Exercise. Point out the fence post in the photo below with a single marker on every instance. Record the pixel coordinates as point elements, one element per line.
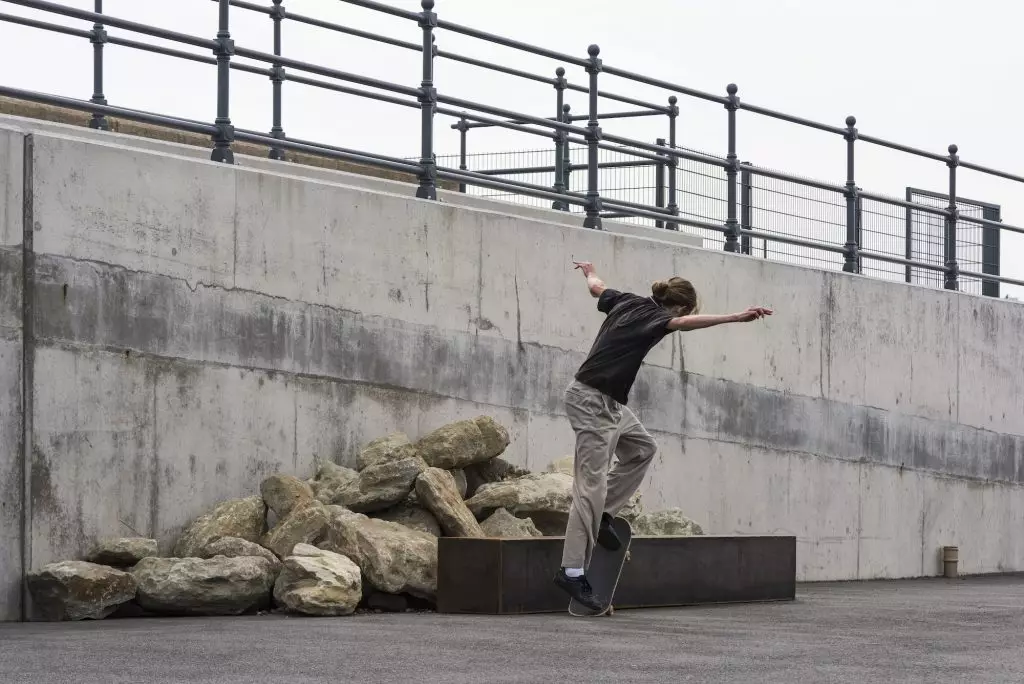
<point>851,257</point>
<point>746,219</point>
<point>428,101</point>
<point>277,13</point>
<point>566,156</point>
<point>952,280</point>
<point>673,162</point>
<point>593,206</point>
<point>659,184</point>
<point>98,40</point>
<point>463,128</point>
<point>225,134</point>
<point>560,136</point>
<point>732,226</point>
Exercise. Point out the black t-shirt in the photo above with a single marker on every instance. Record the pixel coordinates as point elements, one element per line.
<point>632,327</point>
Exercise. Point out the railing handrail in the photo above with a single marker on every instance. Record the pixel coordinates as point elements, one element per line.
<point>663,155</point>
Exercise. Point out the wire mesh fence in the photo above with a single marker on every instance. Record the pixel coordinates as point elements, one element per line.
<point>769,205</point>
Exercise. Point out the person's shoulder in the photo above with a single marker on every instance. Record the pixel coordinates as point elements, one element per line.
<point>610,298</point>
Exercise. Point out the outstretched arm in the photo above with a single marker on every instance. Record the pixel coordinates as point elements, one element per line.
<point>594,284</point>
<point>711,320</point>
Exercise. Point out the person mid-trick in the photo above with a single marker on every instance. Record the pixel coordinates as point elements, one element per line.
<point>596,405</point>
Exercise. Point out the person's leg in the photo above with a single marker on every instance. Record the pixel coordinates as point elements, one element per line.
<point>595,420</point>
<point>634,452</point>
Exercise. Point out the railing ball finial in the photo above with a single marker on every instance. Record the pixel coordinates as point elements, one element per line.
<point>560,72</point>
<point>427,5</point>
<point>732,89</point>
<point>672,99</point>
<point>953,149</point>
<point>593,50</point>
<point>851,121</point>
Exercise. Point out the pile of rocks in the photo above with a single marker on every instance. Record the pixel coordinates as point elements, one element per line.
<point>341,541</point>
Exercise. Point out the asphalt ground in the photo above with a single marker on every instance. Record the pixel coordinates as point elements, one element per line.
<point>966,630</point>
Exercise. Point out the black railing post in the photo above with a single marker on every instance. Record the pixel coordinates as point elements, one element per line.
<point>659,184</point>
<point>851,256</point>
<point>225,134</point>
<point>673,162</point>
<point>732,225</point>
<point>98,40</point>
<point>746,217</point>
<point>428,102</point>
<point>566,155</point>
<point>952,280</point>
<point>560,136</point>
<point>463,128</point>
<point>277,13</point>
<point>593,200</point>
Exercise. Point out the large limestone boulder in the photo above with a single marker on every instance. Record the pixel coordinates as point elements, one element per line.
<point>543,492</point>
<point>212,586</point>
<point>242,518</point>
<point>504,524</point>
<point>668,523</point>
<point>394,447</point>
<point>393,558</point>
<point>79,590</point>
<point>123,552</point>
<point>494,470</point>
<point>330,479</point>
<point>439,493</point>
<point>566,464</point>
<point>305,524</point>
<point>326,583</point>
<point>282,493</point>
<point>413,517</point>
<point>233,547</point>
<point>380,486</point>
<point>463,443</point>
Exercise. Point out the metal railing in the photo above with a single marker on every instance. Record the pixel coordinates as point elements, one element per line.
<point>737,229</point>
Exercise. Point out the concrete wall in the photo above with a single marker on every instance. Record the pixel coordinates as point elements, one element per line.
<point>198,326</point>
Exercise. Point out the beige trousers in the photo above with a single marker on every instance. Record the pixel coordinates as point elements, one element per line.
<point>603,428</point>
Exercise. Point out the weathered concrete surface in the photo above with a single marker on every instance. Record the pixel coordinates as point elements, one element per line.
<point>201,327</point>
<point>908,631</point>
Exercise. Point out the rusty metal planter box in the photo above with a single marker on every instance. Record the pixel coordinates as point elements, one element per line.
<point>511,576</point>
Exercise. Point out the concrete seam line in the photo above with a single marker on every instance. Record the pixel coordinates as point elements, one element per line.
<point>27,363</point>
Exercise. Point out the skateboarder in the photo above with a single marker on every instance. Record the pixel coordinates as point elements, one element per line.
<point>604,425</point>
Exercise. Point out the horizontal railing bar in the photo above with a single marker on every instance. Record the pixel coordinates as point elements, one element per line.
<point>779,175</point>
<point>498,123</point>
<point>792,119</point>
<point>507,42</point>
<point>902,148</point>
<point>518,184</point>
<point>323,71</point>
<point>514,116</point>
<point>581,117</point>
<point>990,277</point>
<point>46,26</point>
<point>486,182</point>
<point>991,172</point>
<point>618,98</point>
<point>108,20</point>
<point>665,150</point>
<point>248,6</point>
<point>868,254</point>
<point>352,91</point>
<point>494,67</point>
<point>658,83</point>
<point>939,211</point>
<point>778,237</point>
<point>303,19</point>
<point>85,106</point>
<point>367,158</point>
<point>386,9</point>
<point>572,167</point>
<point>658,216</point>
<point>991,224</point>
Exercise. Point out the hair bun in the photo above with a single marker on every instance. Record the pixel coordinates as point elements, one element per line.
<point>659,289</point>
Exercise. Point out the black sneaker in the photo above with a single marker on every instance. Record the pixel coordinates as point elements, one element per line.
<point>606,535</point>
<point>579,589</point>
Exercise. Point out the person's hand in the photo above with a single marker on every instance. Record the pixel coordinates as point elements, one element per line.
<point>752,314</point>
<point>586,267</point>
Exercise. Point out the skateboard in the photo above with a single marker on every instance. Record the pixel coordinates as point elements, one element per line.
<point>604,571</point>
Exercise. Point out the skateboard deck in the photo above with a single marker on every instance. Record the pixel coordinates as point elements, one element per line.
<point>604,571</point>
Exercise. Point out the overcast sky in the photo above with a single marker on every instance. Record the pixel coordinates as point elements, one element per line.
<point>924,73</point>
